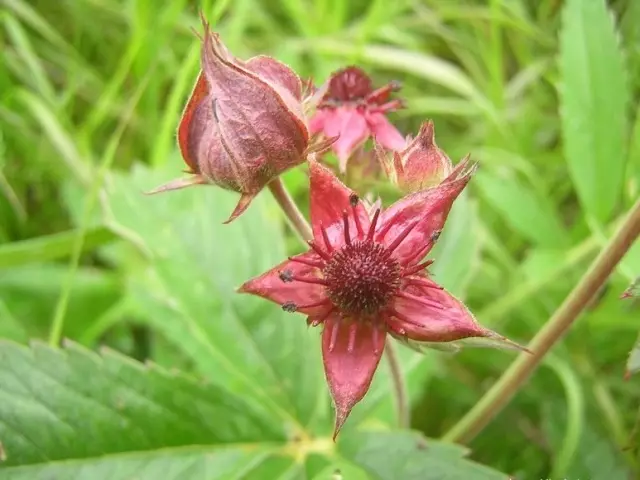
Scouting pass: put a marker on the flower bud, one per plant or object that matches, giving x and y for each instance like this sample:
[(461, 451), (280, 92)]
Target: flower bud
[(243, 125), (420, 165)]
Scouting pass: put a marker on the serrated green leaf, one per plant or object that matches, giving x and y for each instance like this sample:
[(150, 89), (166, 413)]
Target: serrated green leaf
[(168, 464), (596, 457), (594, 99), (408, 456), (73, 404), (75, 414), (188, 293)]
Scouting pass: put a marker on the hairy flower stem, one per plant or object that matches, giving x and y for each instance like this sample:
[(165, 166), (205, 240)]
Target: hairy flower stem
[(399, 387), (517, 374), (290, 209)]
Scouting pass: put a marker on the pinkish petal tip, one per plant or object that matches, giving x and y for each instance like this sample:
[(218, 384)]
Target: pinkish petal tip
[(351, 352)]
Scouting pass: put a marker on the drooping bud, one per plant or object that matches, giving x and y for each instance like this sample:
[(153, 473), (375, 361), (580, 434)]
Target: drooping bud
[(243, 125), (420, 165)]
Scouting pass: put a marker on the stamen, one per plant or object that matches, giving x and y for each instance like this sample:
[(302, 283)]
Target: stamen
[(345, 220), (382, 93), (334, 336), (318, 250), (401, 237), (318, 320), (403, 318), (353, 330), (416, 268), (424, 301), (286, 276), (385, 229), (306, 261), (353, 201), (325, 237), (388, 107), (375, 338), (423, 251), (372, 227), (289, 307), (324, 301), (313, 280), (423, 282)]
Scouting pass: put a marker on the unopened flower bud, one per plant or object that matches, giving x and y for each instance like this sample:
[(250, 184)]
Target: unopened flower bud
[(420, 165), (243, 125)]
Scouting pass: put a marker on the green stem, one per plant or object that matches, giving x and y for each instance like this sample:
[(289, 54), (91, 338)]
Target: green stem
[(290, 209), (517, 374), (399, 387)]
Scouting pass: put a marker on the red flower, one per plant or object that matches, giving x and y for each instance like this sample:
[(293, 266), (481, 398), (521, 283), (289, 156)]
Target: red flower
[(353, 111), (243, 125), (363, 279)]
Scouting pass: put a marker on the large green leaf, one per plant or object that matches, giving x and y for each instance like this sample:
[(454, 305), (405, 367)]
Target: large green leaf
[(242, 343), (187, 292), (594, 99), (457, 252), (75, 414), (73, 404), (408, 456), (531, 215)]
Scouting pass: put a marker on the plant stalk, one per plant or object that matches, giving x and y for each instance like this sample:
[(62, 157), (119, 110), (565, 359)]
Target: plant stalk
[(399, 387), (290, 209), (517, 374)]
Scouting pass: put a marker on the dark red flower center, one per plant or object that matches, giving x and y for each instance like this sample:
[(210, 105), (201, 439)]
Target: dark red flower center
[(361, 278), (349, 84), (353, 86)]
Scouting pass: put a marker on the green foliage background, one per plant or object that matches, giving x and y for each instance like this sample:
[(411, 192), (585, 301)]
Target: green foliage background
[(544, 94)]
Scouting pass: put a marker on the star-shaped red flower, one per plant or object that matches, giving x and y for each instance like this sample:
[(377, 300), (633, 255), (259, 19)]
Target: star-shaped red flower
[(363, 279), (353, 111)]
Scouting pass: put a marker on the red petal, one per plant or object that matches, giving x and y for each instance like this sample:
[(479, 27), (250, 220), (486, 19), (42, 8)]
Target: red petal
[(351, 355), (329, 199), (317, 122), (270, 286), (384, 132), (352, 128), (446, 321), (429, 208)]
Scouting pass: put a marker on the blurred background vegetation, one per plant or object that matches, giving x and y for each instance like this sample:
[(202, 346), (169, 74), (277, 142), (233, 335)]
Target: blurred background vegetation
[(543, 93)]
